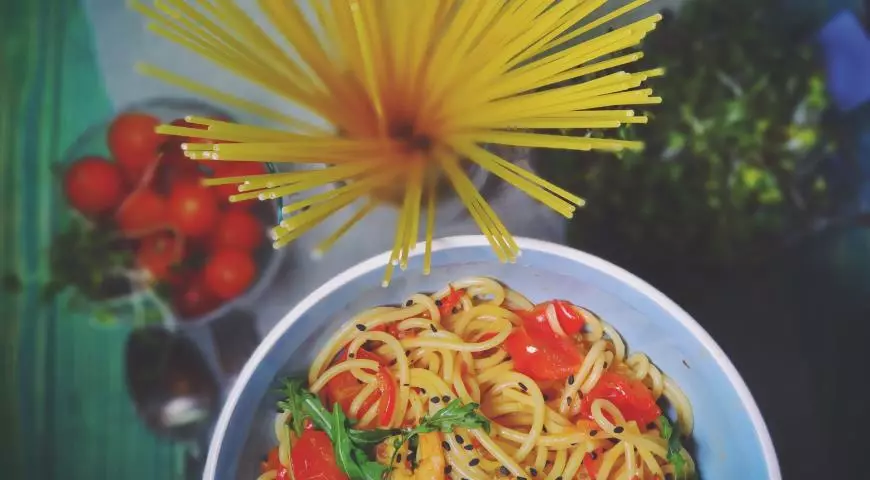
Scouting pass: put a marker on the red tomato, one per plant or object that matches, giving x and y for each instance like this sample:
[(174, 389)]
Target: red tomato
[(270, 462), (536, 319), (592, 462), (239, 229), (542, 357), (343, 388), (387, 388), (193, 210), (192, 299), (633, 399), (158, 254), (313, 458), (94, 185), (134, 143), (144, 210), (229, 272), (451, 300)]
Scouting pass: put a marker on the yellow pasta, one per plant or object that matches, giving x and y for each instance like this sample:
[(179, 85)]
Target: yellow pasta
[(467, 342), (418, 88)]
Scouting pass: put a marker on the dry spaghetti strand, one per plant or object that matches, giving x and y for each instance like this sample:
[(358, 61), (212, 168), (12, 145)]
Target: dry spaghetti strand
[(417, 89)]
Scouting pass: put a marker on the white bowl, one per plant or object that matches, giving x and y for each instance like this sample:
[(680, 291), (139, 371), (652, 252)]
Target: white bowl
[(731, 440)]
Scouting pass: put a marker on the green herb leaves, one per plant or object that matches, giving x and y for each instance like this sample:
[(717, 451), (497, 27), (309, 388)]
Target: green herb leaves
[(455, 414), (351, 445), (347, 443), (671, 433)]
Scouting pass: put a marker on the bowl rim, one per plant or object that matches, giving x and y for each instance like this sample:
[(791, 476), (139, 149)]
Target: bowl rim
[(465, 241)]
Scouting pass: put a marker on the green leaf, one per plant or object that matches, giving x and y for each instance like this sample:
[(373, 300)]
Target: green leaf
[(293, 404), (671, 433), (455, 414)]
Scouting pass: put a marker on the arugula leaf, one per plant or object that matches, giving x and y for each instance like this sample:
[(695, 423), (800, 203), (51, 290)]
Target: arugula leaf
[(350, 444), (671, 433), (350, 458), (349, 455), (455, 414), (293, 403)]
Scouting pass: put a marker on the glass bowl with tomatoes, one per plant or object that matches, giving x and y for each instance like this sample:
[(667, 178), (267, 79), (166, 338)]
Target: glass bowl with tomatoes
[(147, 242)]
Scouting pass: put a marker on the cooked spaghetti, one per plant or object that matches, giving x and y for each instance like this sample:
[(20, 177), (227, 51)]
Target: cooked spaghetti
[(561, 395), (407, 93)]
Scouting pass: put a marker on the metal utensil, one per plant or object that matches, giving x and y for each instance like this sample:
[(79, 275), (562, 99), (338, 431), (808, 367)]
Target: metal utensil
[(173, 388)]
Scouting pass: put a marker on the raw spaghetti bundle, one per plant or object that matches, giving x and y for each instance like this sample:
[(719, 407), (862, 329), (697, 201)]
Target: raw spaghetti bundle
[(413, 91)]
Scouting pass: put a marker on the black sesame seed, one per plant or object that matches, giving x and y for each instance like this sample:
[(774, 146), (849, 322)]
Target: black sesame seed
[(406, 384), (445, 445), (423, 391), (469, 447), (592, 433), (559, 477), (521, 478), (455, 309), (459, 439), (568, 400), (438, 303), (360, 327), (523, 387), (398, 458), (448, 469), (533, 471), (473, 462), (593, 455), (606, 365), (618, 430), (394, 361), (432, 327), (651, 425), (351, 355), (571, 380), (409, 303), (445, 399), (614, 440), (548, 463), (503, 470), (544, 429), (436, 399)]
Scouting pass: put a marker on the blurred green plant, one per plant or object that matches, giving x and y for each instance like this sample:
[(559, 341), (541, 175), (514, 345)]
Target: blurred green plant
[(716, 183)]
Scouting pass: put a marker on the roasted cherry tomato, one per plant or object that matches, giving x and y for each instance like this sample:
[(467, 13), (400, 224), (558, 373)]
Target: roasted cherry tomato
[(344, 387), (313, 458), (94, 185), (134, 143), (229, 272), (592, 462), (450, 301), (633, 399), (271, 461), (143, 211), (542, 356), (536, 319)]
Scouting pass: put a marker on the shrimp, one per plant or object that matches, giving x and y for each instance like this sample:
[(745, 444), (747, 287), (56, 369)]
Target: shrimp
[(431, 461)]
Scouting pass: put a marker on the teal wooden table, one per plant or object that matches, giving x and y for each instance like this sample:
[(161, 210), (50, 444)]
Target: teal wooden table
[(65, 413)]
